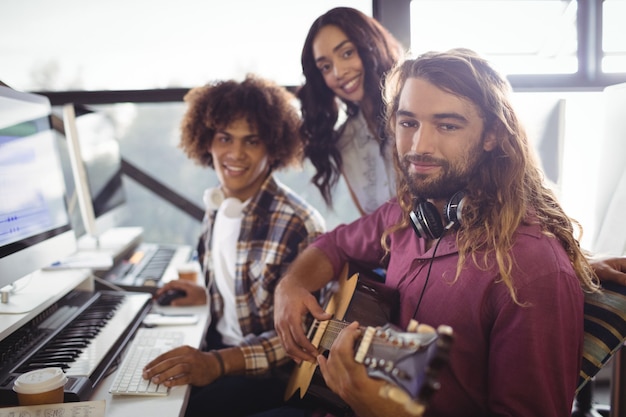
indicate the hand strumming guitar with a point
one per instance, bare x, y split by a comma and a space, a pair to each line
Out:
294, 299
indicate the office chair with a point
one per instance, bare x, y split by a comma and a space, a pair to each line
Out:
605, 333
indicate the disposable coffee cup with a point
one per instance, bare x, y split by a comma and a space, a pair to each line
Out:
42, 386
188, 271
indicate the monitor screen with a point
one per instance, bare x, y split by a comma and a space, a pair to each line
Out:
35, 228
96, 162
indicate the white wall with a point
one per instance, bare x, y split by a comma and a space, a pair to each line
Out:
577, 135
611, 186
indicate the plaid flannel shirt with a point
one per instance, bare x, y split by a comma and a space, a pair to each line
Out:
276, 226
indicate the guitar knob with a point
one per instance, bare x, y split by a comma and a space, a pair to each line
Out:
388, 366
430, 386
399, 374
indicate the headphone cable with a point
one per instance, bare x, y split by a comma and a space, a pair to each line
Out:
430, 265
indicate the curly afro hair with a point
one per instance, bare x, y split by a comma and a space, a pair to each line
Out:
266, 106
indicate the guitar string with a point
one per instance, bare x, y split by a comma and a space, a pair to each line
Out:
330, 335
333, 330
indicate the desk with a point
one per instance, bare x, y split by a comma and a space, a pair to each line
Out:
38, 291
171, 405
44, 288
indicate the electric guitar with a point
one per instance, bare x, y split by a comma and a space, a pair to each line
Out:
409, 361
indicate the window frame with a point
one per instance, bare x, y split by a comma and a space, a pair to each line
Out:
395, 15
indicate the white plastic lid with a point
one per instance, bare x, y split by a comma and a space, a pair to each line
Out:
40, 380
187, 267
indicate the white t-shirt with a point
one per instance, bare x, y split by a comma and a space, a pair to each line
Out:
224, 251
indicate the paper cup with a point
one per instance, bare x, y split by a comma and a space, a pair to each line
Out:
188, 271
42, 386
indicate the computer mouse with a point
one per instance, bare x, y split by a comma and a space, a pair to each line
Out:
170, 295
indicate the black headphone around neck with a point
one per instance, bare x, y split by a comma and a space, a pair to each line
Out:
427, 221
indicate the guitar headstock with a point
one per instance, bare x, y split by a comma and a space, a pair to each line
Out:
410, 361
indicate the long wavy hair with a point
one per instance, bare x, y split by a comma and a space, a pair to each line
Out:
379, 51
508, 186
264, 104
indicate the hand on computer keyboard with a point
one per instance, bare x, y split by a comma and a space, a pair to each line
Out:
195, 294
146, 345
183, 365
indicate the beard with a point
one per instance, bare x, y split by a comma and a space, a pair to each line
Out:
452, 178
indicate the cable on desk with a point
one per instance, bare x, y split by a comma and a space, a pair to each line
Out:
107, 283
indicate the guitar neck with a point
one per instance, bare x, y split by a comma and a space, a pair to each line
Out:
331, 329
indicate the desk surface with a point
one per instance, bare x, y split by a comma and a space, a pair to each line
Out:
175, 402
38, 291
55, 284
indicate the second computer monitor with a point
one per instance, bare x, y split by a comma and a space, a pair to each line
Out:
97, 170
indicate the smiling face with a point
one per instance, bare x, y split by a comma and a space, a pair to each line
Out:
339, 63
440, 139
240, 159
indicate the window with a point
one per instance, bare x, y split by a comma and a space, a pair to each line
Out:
518, 36
613, 39
149, 134
132, 45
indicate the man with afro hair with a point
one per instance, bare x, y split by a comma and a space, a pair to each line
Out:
254, 227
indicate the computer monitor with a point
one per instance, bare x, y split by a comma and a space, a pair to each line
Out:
96, 161
35, 228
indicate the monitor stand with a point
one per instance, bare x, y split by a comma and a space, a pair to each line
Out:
102, 252
114, 241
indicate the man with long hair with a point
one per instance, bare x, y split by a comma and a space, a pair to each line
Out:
474, 240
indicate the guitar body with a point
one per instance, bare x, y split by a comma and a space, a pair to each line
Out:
358, 296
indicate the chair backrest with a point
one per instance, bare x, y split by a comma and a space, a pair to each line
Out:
605, 328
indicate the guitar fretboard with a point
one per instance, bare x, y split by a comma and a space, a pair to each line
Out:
331, 331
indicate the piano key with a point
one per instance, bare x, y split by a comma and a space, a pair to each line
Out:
83, 334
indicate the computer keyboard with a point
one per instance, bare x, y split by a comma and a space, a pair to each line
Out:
147, 345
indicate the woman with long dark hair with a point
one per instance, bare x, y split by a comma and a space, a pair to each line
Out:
344, 61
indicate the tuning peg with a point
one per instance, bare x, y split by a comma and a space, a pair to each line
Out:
425, 328
445, 330
415, 327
